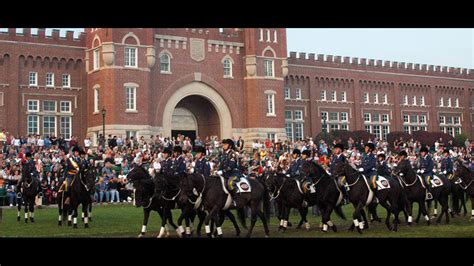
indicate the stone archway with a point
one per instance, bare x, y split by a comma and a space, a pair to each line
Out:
205, 92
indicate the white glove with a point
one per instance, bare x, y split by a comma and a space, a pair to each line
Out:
418, 171
288, 175
394, 165
191, 170
434, 170
401, 174
219, 172
422, 171
444, 172
193, 164
361, 169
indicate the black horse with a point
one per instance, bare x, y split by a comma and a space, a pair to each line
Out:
287, 195
416, 192
215, 199
145, 196
458, 199
29, 188
464, 178
80, 187
328, 196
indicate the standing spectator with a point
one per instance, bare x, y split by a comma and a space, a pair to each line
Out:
3, 141
87, 143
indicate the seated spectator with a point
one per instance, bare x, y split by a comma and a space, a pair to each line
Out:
113, 186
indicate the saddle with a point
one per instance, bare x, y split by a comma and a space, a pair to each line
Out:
382, 183
436, 181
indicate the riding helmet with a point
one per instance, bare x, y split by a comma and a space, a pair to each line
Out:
381, 155
75, 149
177, 149
296, 151
201, 149
339, 145
403, 153
446, 151
167, 151
230, 142
370, 145
424, 149
307, 153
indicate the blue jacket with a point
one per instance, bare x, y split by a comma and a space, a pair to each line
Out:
447, 164
295, 167
369, 163
427, 164
202, 167
334, 161
229, 164
179, 166
167, 166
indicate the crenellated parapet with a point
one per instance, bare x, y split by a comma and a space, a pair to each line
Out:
25, 35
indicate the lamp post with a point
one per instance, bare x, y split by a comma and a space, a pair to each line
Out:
324, 128
103, 111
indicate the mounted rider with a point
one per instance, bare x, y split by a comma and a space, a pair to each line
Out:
337, 157
382, 167
296, 164
229, 166
306, 180
73, 166
201, 165
447, 165
29, 164
426, 169
369, 165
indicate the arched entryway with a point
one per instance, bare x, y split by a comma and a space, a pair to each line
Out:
196, 106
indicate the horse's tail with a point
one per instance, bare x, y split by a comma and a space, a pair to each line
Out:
241, 216
339, 212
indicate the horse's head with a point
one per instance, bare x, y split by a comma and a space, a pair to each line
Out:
186, 184
89, 176
137, 174
271, 180
462, 172
314, 170
403, 168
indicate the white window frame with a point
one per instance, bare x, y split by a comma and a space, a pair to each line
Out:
413, 102
449, 102
168, 63
366, 97
129, 63
229, 68
365, 116
457, 131
298, 94
68, 78
422, 100
287, 93
342, 115
334, 120
375, 115
345, 127
302, 130
96, 100
35, 76
130, 104
422, 117
55, 106
64, 133
54, 125
456, 102
385, 98
442, 120
384, 118
96, 57
458, 122
334, 96
289, 130
37, 106
260, 39
268, 35
376, 98
291, 115
324, 115
61, 107
269, 63
441, 101
300, 116
28, 125
1, 99
405, 99
275, 36
271, 104
51, 79
323, 95
407, 120
344, 96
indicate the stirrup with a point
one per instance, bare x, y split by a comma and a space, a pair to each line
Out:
429, 195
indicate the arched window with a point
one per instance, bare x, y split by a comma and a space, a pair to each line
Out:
227, 68
165, 65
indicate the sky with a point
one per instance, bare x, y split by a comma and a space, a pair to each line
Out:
444, 47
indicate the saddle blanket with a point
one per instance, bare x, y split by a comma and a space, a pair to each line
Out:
303, 189
243, 186
382, 183
436, 182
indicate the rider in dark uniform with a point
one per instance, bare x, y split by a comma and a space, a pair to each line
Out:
369, 165
73, 166
229, 166
382, 167
201, 165
426, 169
178, 169
295, 166
307, 180
29, 164
447, 165
338, 157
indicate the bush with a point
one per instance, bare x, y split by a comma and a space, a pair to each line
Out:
392, 136
460, 139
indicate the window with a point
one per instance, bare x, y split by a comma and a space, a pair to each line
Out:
65, 126
457, 120
298, 115
33, 105
366, 97
344, 116
334, 127
1, 99
441, 119
422, 100
274, 36
366, 117
288, 115
405, 119
423, 128
405, 99
221, 30
344, 127
449, 120
270, 104
413, 119
334, 116
344, 96
268, 35
376, 98
49, 106
260, 35
450, 131
130, 134
413, 100
376, 131
384, 118
323, 95
324, 127
227, 68
131, 57
333, 96
271, 137
165, 63
287, 93
457, 131
406, 129
65, 107
66, 81
422, 119
130, 98
49, 80
49, 126
298, 94
367, 128
96, 100
324, 116
449, 102
268, 68
413, 129
376, 117
386, 131
298, 131
289, 130
96, 59
33, 124
456, 102
441, 101
385, 98
33, 79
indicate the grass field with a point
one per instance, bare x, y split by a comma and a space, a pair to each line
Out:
126, 221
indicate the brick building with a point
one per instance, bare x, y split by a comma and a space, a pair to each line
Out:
223, 82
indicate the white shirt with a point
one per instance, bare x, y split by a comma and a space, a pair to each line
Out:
87, 143
16, 142
40, 142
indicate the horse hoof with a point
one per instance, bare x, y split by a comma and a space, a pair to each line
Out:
26, 221
74, 226
267, 236
334, 228
60, 223
86, 225
69, 223
428, 222
409, 224
141, 235
359, 230
32, 220
18, 219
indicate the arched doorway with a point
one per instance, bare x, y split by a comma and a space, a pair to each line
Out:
200, 101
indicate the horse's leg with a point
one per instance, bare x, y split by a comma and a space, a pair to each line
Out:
264, 221
32, 211
90, 211
444, 201
419, 209
358, 223
253, 218
424, 211
164, 220
364, 217
146, 215
410, 212
86, 215
201, 216
60, 210
304, 217
170, 219
324, 218
26, 211
69, 215
463, 203
389, 212
208, 218
18, 205
183, 215
231, 216
74, 215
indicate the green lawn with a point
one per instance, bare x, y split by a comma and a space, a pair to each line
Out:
126, 221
